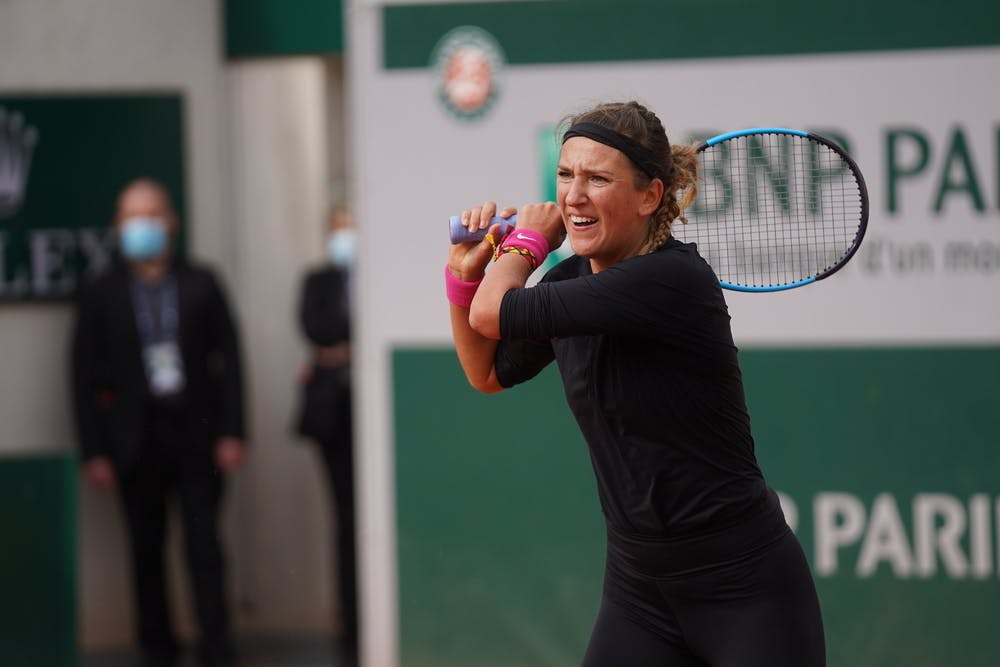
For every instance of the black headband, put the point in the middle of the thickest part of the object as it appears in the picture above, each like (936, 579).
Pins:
(639, 154)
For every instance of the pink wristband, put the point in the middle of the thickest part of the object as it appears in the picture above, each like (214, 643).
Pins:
(460, 292)
(530, 240)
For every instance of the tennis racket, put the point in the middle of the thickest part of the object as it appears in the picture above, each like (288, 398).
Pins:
(776, 208)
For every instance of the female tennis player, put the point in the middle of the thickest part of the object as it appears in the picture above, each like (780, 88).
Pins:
(701, 567)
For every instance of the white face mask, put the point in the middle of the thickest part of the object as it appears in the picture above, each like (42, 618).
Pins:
(340, 248)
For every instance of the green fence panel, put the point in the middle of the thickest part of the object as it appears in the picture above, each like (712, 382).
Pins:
(38, 625)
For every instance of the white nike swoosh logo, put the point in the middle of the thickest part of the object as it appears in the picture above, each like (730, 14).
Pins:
(522, 236)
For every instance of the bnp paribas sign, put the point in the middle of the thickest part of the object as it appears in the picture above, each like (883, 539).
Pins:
(63, 160)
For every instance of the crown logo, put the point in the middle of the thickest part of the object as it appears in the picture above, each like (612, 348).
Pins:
(17, 145)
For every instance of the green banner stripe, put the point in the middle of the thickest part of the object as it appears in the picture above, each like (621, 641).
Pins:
(556, 31)
(283, 27)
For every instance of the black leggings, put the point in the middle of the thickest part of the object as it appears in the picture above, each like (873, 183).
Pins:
(758, 610)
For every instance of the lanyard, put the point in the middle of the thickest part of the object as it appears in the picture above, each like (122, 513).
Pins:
(156, 311)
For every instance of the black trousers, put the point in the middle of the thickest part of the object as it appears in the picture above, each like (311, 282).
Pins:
(338, 461)
(754, 606)
(173, 469)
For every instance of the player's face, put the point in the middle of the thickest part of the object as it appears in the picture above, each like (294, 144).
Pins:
(606, 215)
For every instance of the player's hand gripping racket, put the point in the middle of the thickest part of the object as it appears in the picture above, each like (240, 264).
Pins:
(459, 233)
(776, 208)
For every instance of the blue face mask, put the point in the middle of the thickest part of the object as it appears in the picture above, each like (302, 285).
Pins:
(143, 238)
(340, 248)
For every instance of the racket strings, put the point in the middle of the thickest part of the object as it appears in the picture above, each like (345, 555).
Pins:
(774, 209)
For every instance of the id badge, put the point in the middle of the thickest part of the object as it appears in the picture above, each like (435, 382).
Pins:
(164, 368)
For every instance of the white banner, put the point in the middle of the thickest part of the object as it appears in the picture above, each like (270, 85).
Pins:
(926, 139)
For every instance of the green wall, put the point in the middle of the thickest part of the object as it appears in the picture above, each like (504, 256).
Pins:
(499, 528)
(501, 540)
(38, 561)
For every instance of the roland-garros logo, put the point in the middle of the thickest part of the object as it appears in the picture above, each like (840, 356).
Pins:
(467, 62)
(17, 145)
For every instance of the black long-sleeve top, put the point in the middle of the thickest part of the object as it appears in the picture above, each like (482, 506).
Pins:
(651, 374)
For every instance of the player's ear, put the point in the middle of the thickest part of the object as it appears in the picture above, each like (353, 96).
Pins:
(652, 194)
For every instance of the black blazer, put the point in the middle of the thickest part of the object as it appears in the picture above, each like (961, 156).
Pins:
(324, 317)
(110, 392)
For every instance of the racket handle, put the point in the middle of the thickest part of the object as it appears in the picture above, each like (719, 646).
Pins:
(460, 234)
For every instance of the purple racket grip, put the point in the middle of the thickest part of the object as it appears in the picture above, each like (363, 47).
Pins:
(460, 234)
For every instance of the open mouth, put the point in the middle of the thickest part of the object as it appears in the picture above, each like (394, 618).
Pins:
(579, 221)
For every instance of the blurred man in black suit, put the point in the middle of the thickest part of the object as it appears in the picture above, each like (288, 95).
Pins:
(158, 402)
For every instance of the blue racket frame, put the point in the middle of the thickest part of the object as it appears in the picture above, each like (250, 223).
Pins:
(863, 191)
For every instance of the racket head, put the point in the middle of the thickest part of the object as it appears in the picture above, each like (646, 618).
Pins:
(777, 208)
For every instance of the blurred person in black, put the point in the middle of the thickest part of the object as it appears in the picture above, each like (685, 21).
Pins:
(325, 412)
(158, 402)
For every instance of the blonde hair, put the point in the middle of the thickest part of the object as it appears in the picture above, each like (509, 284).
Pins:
(678, 164)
